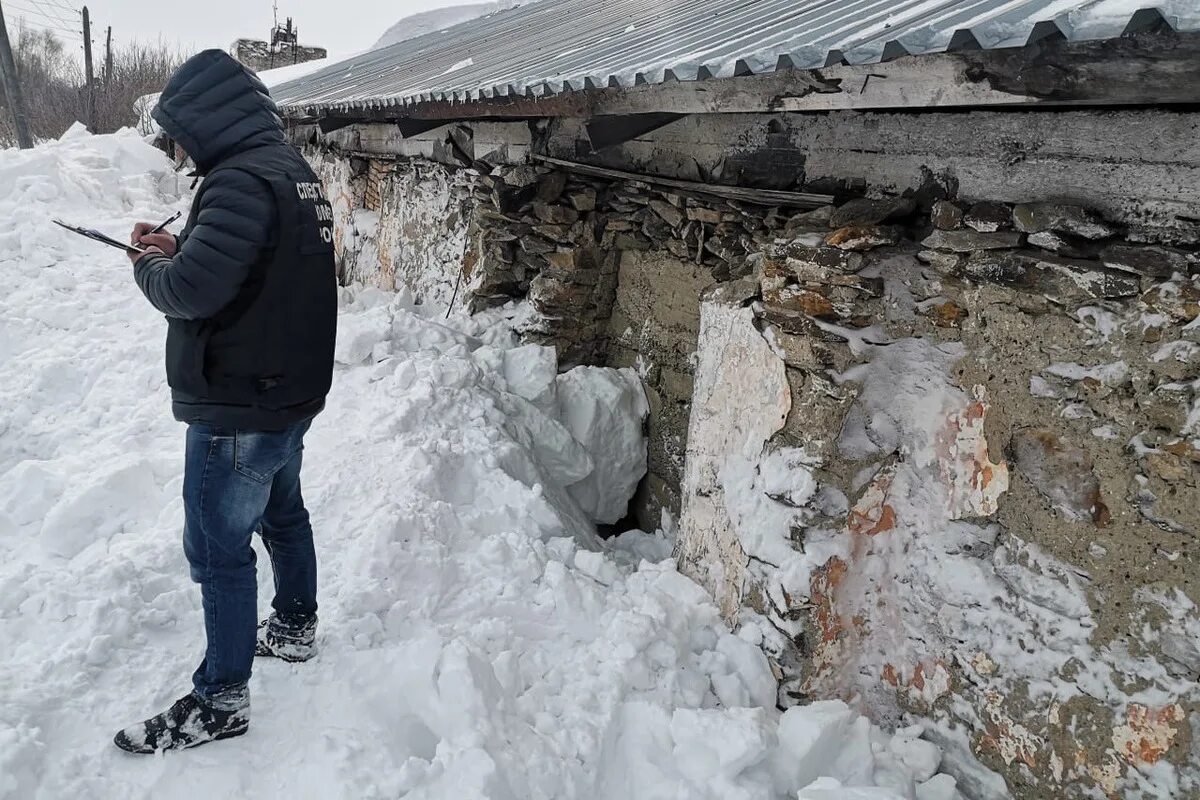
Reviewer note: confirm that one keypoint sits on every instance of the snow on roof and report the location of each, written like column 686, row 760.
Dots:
column 561, row 45
column 271, row 77
column 421, row 23
column 281, row 75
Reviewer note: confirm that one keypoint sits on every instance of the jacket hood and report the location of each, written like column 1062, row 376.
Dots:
column 214, row 107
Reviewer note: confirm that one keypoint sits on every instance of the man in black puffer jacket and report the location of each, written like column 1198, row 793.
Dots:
column 250, row 296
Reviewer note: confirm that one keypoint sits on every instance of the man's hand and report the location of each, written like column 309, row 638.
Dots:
column 135, row 255
column 160, row 242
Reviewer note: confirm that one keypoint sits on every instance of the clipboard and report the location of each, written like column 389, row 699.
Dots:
column 97, row 236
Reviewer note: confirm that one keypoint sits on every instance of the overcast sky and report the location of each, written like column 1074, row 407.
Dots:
column 341, row 26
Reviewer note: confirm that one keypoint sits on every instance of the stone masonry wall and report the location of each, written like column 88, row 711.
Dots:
column 398, row 223
column 258, row 55
column 955, row 479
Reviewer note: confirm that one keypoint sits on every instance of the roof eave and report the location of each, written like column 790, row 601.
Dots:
column 1150, row 67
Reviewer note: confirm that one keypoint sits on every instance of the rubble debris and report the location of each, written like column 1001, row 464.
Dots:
column 1060, row 218
column 863, row 211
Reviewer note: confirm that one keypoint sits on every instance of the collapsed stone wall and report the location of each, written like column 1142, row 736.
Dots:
column 488, row 234
column 953, row 477
column 614, row 270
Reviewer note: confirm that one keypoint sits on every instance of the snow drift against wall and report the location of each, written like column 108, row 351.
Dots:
column 477, row 641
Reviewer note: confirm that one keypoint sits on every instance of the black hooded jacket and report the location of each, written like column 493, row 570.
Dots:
column 250, row 295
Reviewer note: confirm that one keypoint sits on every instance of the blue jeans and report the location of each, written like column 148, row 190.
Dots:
column 237, row 482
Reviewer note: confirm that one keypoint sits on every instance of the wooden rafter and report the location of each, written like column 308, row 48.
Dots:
column 762, row 197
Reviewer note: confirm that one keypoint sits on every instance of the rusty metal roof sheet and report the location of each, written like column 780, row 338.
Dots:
column 552, row 46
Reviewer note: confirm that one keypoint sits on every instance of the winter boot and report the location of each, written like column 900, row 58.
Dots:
column 189, row 723
column 287, row 637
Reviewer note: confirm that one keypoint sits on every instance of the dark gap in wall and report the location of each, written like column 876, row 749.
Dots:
column 627, row 523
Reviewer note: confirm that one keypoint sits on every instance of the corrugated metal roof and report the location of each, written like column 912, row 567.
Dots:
column 553, row 46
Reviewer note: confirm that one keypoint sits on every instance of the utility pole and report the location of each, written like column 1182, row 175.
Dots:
column 274, row 30
column 89, row 76
column 12, row 88
column 108, row 58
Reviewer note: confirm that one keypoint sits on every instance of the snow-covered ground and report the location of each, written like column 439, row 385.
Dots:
column 478, row 640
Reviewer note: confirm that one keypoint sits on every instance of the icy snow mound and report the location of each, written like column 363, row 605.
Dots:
column 585, row 427
column 74, row 178
column 477, row 640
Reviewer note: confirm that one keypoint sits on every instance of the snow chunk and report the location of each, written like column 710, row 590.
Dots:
column 641, row 546
column 605, row 410
column 765, row 497
column 358, row 334
column 710, row 744
column 530, row 372
column 824, row 739
column 597, row 567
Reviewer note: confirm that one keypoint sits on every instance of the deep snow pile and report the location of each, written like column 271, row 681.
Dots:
column 478, row 641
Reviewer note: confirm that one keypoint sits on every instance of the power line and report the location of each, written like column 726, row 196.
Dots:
column 49, row 18
column 37, row 23
column 58, row 19
column 57, row 9
column 62, row 5
column 71, row 10
column 67, row 33
column 69, row 20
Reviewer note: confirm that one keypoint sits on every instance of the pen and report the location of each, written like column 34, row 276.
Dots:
column 173, row 217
